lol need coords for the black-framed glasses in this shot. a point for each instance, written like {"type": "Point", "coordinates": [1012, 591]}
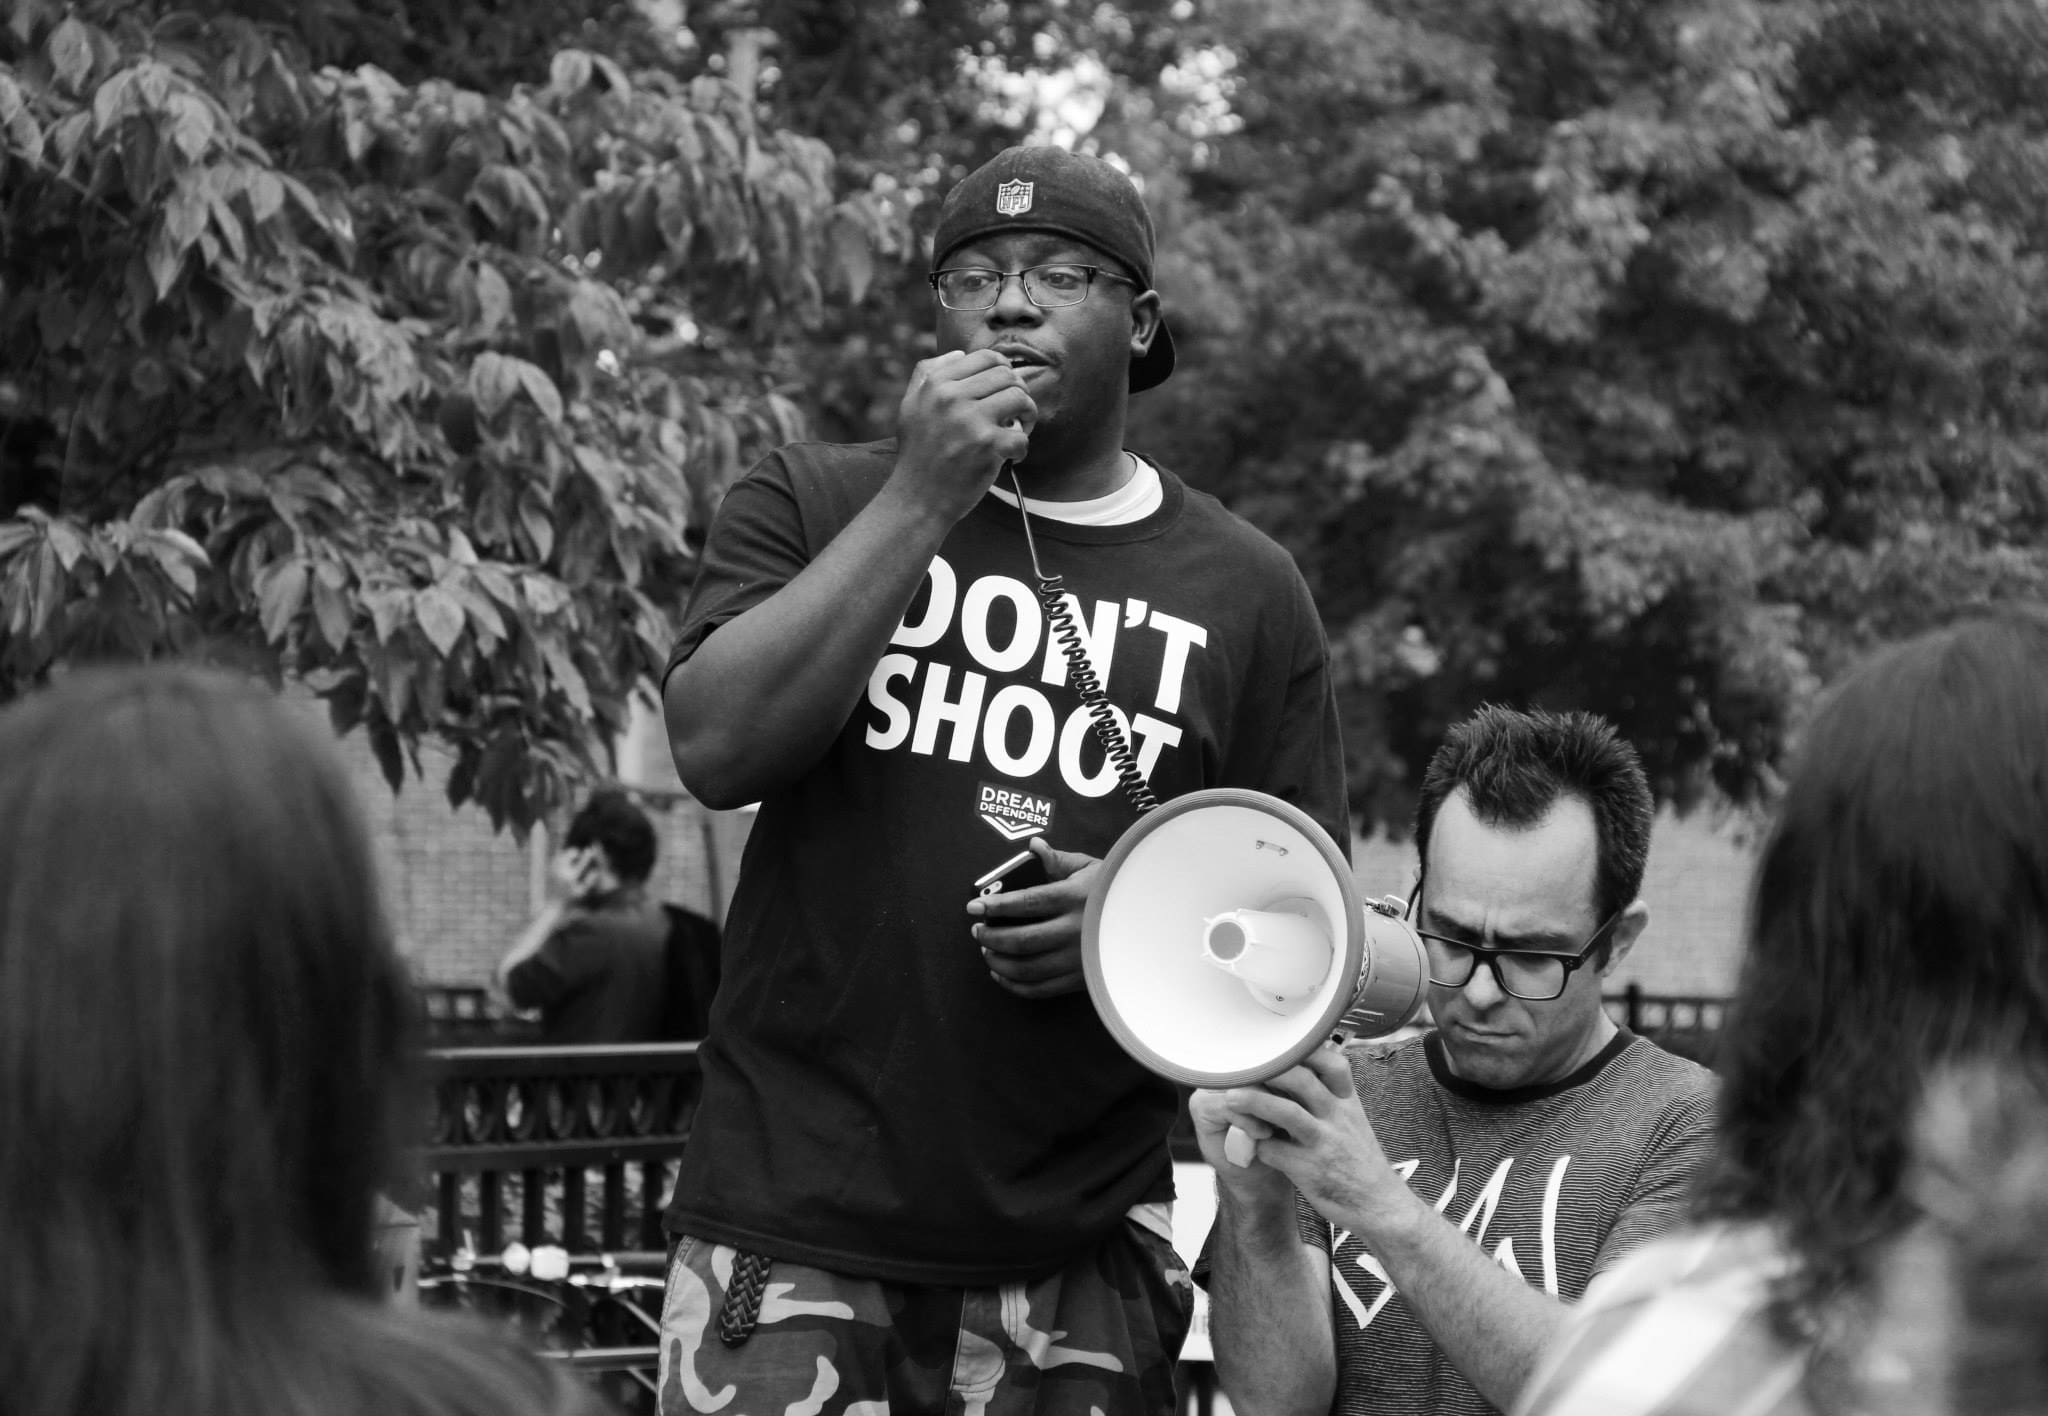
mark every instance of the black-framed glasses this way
{"type": "Point", "coordinates": [1046, 286]}
{"type": "Point", "coordinates": [1532, 975]}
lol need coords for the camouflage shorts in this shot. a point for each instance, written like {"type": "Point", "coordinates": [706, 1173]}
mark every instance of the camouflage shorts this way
{"type": "Point", "coordinates": [1101, 1336]}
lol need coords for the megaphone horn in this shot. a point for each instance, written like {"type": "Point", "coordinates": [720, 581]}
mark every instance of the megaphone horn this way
{"type": "Point", "coordinates": [1224, 941]}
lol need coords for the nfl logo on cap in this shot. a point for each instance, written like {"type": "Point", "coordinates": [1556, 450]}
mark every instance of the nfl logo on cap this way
{"type": "Point", "coordinates": [1013, 198]}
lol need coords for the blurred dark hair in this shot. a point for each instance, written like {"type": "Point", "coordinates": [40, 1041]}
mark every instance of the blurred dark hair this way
{"type": "Point", "coordinates": [1515, 766]}
{"type": "Point", "coordinates": [611, 819]}
{"type": "Point", "coordinates": [204, 1033]}
{"type": "Point", "coordinates": [1898, 921]}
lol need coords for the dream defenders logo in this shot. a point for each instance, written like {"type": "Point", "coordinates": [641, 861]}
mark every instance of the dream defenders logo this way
{"type": "Point", "coordinates": [1015, 815]}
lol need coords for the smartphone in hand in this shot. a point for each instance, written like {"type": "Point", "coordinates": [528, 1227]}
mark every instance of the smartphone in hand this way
{"type": "Point", "coordinates": [1020, 872]}
{"type": "Point", "coordinates": [583, 872]}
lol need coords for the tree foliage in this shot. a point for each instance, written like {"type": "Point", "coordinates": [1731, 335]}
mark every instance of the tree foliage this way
{"type": "Point", "coordinates": [1647, 357]}
{"type": "Point", "coordinates": [421, 393]}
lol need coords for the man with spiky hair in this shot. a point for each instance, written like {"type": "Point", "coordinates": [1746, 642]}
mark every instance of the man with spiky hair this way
{"type": "Point", "coordinates": [1417, 1215]}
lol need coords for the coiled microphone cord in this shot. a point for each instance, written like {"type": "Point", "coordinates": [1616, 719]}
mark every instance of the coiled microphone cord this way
{"type": "Point", "coordinates": [1103, 718]}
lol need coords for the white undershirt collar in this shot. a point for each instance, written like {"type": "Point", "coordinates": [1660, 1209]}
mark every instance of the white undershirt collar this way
{"type": "Point", "coordinates": [1139, 496]}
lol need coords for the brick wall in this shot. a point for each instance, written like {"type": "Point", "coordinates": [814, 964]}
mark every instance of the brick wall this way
{"type": "Point", "coordinates": [458, 891]}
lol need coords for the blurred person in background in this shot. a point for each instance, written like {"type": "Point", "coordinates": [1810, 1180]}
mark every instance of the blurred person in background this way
{"type": "Point", "coordinates": [205, 1035]}
{"type": "Point", "coordinates": [594, 960]}
{"type": "Point", "coordinates": [1898, 926]}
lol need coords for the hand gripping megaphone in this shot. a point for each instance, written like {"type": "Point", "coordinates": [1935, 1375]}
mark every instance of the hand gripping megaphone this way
{"type": "Point", "coordinates": [1224, 941]}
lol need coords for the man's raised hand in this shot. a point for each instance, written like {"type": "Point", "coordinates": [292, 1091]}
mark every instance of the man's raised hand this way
{"type": "Point", "coordinates": [962, 417]}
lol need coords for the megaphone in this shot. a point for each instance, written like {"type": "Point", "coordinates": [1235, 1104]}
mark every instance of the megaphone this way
{"type": "Point", "coordinates": [1224, 941]}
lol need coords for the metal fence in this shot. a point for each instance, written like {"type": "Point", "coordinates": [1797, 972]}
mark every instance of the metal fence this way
{"type": "Point", "coordinates": [545, 1177]}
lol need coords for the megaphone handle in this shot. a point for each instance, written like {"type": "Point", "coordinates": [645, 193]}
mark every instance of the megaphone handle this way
{"type": "Point", "coordinates": [1239, 1147]}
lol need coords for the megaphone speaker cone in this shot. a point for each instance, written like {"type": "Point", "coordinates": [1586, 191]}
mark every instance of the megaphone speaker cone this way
{"type": "Point", "coordinates": [1224, 940]}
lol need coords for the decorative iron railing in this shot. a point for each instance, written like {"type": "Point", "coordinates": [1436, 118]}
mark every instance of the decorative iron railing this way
{"type": "Point", "coordinates": [546, 1173]}
{"type": "Point", "coordinates": [518, 1132]}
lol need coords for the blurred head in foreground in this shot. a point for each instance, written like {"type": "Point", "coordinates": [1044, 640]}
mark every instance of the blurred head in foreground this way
{"type": "Point", "coordinates": [1899, 924]}
{"type": "Point", "coordinates": [203, 1036]}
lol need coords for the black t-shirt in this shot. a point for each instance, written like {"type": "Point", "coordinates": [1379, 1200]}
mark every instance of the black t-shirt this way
{"type": "Point", "coordinates": [602, 976]}
{"type": "Point", "coordinates": [873, 1102]}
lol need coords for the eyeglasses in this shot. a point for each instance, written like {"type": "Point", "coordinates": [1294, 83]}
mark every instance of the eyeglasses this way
{"type": "Point", "coordinates": [1532, 975]}
{"type": "Point", "coordinates": [1046, 286]}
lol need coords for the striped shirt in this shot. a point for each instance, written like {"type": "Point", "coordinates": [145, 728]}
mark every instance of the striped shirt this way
{"type": "Point", "coordinates": [1554, 1182]}
{"type": "Point", "coordinates": [1679, 1329]}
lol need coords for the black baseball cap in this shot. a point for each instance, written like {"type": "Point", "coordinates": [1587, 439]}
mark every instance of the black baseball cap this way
{"type": "Point", "coordinates": [1051, 189]}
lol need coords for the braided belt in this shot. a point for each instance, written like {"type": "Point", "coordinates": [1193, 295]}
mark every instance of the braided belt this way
{"type": "Point", "coordinates": [742, 1306]}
